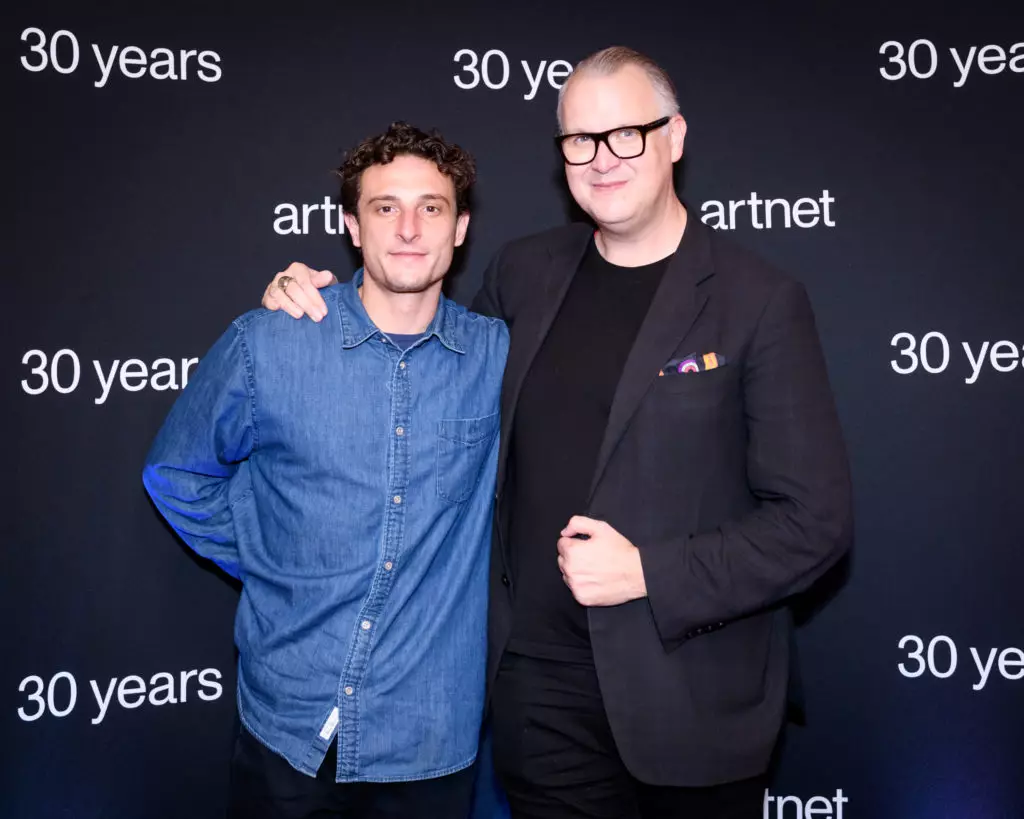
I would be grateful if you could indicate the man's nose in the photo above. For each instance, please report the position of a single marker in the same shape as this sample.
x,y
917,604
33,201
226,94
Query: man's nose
x,y
604,160
409,225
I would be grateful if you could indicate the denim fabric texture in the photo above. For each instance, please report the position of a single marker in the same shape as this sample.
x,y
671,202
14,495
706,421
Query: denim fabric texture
x,y
349,485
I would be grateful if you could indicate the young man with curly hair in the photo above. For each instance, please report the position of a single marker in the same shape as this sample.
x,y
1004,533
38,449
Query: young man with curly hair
x,y
344,472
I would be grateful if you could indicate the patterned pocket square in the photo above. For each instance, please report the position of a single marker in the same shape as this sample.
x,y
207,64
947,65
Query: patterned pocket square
x,y
693,363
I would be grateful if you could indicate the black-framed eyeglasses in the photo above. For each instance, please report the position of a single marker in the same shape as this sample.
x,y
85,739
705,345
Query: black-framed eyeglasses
x,y
625,142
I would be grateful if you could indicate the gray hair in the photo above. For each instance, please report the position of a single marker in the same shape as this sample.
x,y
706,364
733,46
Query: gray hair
x,y
609,60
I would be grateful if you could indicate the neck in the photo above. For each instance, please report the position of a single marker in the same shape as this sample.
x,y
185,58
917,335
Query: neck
x,y
402,313
630,246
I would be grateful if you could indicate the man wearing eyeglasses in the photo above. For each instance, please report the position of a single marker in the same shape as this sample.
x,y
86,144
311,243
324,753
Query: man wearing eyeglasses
x,y
671,472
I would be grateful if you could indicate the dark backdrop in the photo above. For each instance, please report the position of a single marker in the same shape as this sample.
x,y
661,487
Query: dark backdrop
x,y
144,212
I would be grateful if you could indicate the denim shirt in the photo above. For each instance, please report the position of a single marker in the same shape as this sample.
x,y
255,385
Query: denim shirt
x,y
349,485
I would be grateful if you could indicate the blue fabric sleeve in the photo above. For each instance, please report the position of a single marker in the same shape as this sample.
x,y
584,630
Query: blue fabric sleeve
x,y
208,433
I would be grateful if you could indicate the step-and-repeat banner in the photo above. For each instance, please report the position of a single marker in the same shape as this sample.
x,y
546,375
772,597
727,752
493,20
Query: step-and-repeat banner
x,y
163,165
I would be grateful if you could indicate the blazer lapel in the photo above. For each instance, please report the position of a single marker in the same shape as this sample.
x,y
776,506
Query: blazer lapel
x,y
531,328
677,303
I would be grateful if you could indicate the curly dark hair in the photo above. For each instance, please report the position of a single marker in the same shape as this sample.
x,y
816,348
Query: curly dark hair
x,y
402,139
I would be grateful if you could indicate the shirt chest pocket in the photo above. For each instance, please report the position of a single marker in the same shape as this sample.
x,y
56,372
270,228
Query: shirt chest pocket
x,y
463,445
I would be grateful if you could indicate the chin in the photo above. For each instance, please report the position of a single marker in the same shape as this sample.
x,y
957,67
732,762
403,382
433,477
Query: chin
x,y
611,213
407,286
410,284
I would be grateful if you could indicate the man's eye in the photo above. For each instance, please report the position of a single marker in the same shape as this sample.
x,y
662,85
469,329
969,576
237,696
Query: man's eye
x,y
581,139
386,210
431,209
627,133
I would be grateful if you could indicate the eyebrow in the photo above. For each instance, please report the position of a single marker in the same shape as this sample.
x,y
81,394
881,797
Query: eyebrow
x,y
608,131
635,125
427,197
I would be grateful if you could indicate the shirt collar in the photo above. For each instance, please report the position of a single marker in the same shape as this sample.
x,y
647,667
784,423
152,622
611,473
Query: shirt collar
x,y
357,326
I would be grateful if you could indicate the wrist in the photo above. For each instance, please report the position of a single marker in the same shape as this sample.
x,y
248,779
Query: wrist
x,y
638,581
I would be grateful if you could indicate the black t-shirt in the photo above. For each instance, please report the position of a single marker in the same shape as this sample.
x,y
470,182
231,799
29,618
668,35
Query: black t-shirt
x,y
559,424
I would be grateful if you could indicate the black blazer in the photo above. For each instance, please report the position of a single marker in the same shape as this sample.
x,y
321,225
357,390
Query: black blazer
x,y
733,483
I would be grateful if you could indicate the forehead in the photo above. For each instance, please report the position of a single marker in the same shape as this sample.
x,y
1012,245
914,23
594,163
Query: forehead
x,y
595,102
405,176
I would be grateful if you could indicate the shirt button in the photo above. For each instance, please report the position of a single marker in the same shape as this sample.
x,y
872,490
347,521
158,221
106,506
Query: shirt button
x,y
389,566
397,499
365,625
349,690
401,365
400,431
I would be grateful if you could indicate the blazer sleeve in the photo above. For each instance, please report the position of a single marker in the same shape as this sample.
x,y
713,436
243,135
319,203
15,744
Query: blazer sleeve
x,y
796,468
208,433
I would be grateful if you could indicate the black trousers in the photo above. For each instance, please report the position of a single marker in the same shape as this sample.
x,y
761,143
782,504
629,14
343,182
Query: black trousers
x,y
556,757
265,786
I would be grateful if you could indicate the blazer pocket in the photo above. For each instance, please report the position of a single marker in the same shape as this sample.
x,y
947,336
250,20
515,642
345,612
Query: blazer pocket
x,y
728,669
701,389
462,447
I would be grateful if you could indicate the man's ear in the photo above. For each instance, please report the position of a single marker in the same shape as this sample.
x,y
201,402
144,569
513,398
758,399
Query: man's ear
x,y
352,225
461,225
677,133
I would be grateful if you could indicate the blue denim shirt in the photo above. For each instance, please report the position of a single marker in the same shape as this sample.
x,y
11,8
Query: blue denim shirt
x,y
349,485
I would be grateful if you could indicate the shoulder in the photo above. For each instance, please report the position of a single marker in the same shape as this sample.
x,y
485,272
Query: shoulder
x,y
521,267
475,327
482,338
743,273
548,241
262,324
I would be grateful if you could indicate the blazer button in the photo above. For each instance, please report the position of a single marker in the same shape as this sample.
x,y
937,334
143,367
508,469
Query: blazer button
x,y
504,580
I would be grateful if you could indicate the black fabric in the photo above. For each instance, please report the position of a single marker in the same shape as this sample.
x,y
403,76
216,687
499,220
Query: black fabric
x,y
560,420
732,482
556,757
265,786
329,767
403,341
